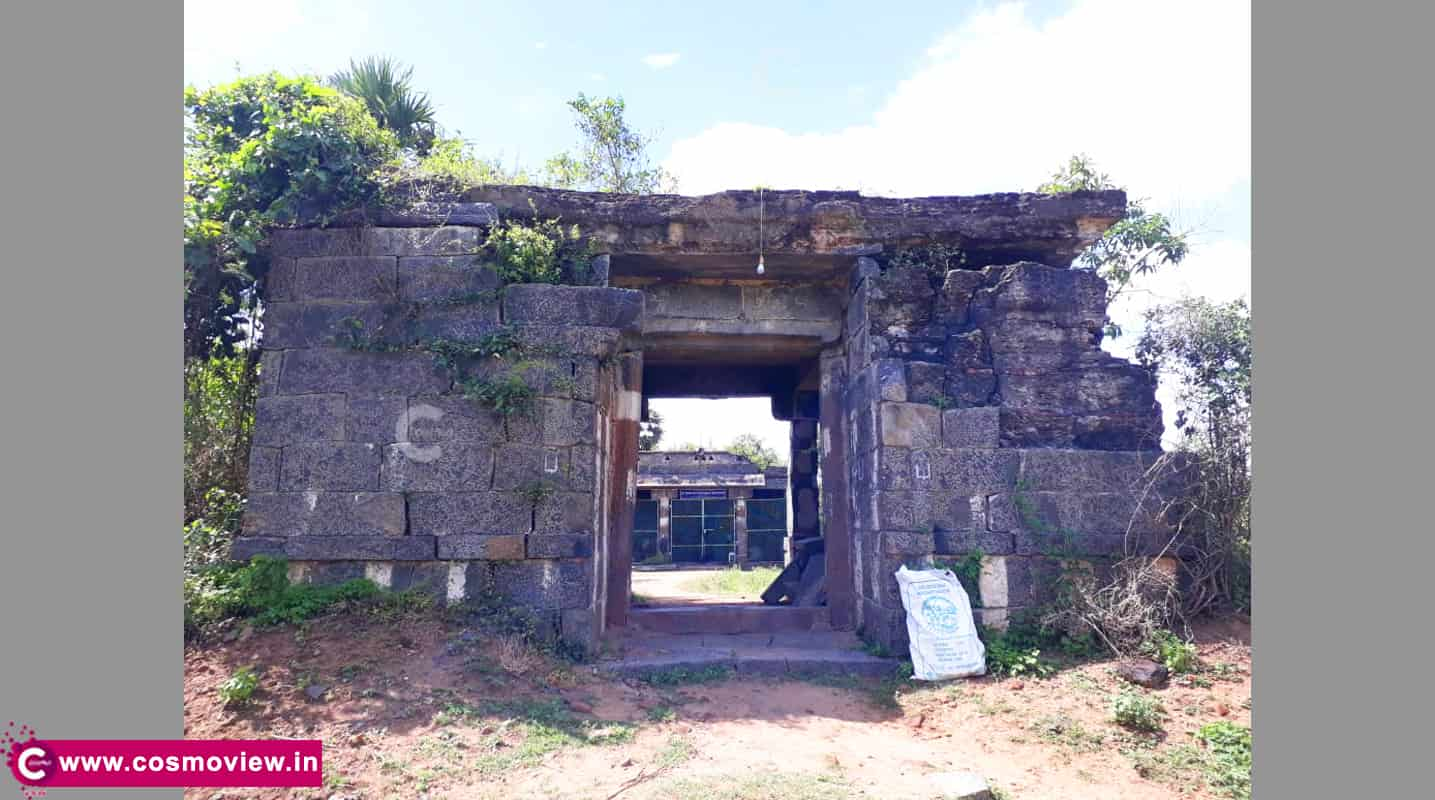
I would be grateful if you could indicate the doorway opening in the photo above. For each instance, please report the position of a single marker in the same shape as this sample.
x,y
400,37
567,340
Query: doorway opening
x,y
711,522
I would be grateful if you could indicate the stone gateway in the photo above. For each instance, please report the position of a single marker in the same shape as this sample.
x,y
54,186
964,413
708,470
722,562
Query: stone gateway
x,y
427,427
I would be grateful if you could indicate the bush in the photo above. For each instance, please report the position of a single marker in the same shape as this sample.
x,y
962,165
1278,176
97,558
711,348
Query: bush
x,y
219,395
1137,712
451,165
240,686
541,251
260,152
1014,662
1178,655
261,590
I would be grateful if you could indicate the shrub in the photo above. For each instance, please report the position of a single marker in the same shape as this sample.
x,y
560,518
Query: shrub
x,y
219,395
1013,662
1137,712
1178,655
508,394
452,165
260,152
240,686
261,590
541,251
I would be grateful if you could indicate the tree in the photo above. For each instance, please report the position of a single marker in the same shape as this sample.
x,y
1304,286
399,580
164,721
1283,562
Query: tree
x,y
1137,244
753,449
613,157
650,432
383,85
262,152
1204,349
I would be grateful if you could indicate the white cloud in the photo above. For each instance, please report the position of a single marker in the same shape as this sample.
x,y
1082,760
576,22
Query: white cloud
x,y
661,60
1157,93
540,45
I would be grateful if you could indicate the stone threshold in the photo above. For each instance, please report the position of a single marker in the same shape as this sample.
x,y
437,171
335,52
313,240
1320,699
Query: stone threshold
x,y
793,654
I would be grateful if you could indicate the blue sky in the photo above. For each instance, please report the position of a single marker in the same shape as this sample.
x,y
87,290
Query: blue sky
x,y
904,99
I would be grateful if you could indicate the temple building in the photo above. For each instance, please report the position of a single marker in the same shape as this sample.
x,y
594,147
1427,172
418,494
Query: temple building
x,y
709,508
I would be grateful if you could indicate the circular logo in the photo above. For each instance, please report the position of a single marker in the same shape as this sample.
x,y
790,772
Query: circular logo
x,y
34,763
941,614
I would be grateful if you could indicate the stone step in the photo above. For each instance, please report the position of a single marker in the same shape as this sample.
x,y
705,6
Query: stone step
x,y
729,619
636,653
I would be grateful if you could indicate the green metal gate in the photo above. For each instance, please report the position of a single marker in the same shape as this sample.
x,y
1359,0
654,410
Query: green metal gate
x,y
645,532
766,530
702,531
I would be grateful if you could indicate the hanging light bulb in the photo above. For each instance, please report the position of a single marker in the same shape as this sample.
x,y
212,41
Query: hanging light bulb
x,y
760,267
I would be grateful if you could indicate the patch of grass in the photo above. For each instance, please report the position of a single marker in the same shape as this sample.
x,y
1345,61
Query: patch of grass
x,y
1137,712
239,688
770,786
663,713
682,676
1227,761
733,582
640,600
545,726
677,751
1063,730
261,590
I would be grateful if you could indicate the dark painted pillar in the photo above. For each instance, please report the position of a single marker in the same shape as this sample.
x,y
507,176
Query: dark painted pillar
x,y
621,483
802,483
841,583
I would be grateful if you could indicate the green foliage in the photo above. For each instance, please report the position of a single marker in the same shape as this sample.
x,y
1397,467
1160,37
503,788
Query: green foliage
x,y
968,570
1204,350
261,152
1015,662
682,676
1178,655
733,582
536,492
219,395
1228,757
1017,651
541,251
1137,712
507,394
1138,244
383,86
751,447
546,726
239,687
650,432
260,590
207,537
450,354
612,156
935,259
451,164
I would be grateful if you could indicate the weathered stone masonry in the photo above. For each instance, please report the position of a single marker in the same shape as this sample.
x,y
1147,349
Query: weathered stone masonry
x,y
373,464
965,394
929,402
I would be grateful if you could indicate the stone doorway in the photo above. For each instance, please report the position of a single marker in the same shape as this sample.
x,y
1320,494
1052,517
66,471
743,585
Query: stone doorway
x,y
709,332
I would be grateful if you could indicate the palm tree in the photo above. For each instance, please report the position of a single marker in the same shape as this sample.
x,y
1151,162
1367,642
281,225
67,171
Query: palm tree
x,y
383,86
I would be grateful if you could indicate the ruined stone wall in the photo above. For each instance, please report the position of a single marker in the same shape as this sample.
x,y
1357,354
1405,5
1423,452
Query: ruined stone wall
x,y
983,416
368,458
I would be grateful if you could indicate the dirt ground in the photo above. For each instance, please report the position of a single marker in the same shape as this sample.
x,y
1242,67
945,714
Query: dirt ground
x,y
675,587
426,708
